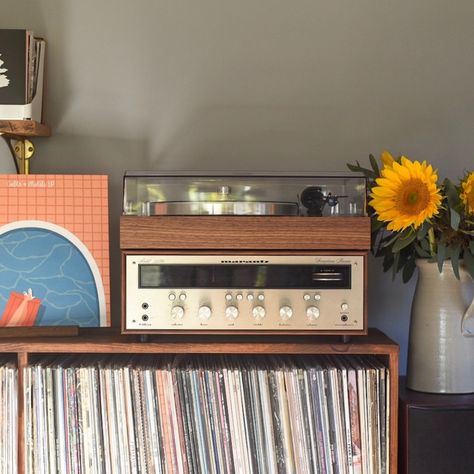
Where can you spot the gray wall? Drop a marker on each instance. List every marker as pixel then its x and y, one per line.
pixel 255 84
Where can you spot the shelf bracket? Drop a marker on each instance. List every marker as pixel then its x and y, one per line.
pixel 22 151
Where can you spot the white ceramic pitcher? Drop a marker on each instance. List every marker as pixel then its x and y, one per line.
pixel 441 341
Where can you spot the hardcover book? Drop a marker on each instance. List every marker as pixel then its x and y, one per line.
pixel 14 46
pixel 54 250
pixel 22 61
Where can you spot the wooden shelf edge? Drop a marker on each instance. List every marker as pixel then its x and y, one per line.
pixel 24 128
pixel 107 340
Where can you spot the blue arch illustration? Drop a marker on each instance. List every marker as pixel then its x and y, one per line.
pixel 59 269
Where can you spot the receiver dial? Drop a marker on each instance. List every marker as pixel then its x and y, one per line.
pixel 231 313
pixel 204 313
pixel 286 313
pixel 177 312
pixel 312 312
pixel 258 313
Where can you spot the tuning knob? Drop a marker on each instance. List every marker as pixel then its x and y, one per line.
pixel 312 313
pixel 286 313
pixel 177 312
pixel 258 313
pixel 204 313
pixel 231 312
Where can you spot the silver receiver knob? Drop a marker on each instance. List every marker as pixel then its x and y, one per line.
pixel 286 313
pixel 312 313
pixel 177 312
pixel 344 306
pixel 204 313
pixel 231 312
pixel 258 313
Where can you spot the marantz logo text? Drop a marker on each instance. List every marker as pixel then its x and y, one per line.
pixel 245 261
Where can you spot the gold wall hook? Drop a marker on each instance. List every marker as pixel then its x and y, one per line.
pixel 24 151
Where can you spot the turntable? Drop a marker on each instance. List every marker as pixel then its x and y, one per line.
pixel 244 253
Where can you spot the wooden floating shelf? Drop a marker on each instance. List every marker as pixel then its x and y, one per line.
pixel 24 128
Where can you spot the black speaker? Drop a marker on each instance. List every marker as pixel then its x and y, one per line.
pixel 436 433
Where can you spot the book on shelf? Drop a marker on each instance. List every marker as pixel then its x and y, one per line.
pixel 22 61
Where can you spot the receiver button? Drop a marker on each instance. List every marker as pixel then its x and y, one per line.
pixel 231 312
pixel 312 313
pixel 204 313
pixel 344 306
pixel 177 312
pixel 258 313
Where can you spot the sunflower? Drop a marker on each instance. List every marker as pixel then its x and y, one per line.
pixel 406 194
pixel 467 193
pixel 387 159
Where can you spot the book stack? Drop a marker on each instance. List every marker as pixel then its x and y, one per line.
pixel 8 415
pixel 22 58
pixel 208 414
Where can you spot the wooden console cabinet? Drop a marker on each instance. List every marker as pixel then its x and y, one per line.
pixel 108 341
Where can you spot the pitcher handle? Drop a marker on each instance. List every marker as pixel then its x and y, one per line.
pixel 467 323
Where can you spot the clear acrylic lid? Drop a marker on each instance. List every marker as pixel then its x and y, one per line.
pixel 223 193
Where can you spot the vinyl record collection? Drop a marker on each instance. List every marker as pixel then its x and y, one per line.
pixel 207 414
pixel 8 415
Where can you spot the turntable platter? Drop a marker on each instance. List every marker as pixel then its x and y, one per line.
pixel 220 208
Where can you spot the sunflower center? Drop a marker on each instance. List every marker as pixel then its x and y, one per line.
pixel 414 197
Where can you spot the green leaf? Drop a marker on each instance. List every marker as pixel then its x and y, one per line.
pixel 441 256
pixel 451 193
pixel 376 225
pixel 455 219
pixel 408 270
pixel 359 169
pixel 387 262
pixel 469 262
pixel 403 242
pixel 374 164
pixel 421 252
pixel 389 240
pixel 471 246
pixel 425 245
pixel 423 230
pixel 396 260
pixel 355 168
pixel 454 253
